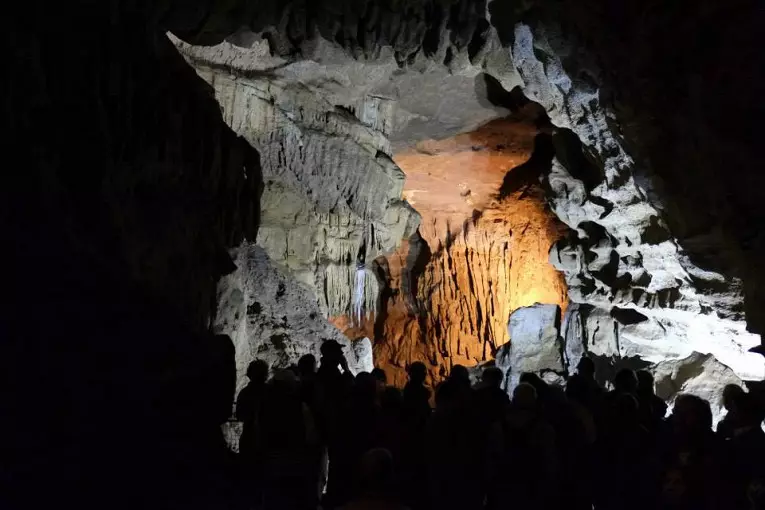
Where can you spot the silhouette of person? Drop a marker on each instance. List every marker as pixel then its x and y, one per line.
pixel 334 375
pixel 530 462
pixel 362 419
pixel 377 479
pixel 379 374
pixel 731 397
pixel 491 401
pixel 692 468
pixel 307 366
pixel 392 429
pixel 588 389
pixel 458 451
pixel 382 380
pixel 626 449
pixel 307 373
pixel 460 374
pixel 625 381
pixel 286 446
pixel 745 449
pixel 652 408
pixel 248 404
pixel 580 397
pixel 416 394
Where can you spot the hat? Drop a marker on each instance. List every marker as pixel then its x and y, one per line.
pixel 331 347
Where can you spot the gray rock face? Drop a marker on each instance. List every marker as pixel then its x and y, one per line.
pixel 362 350
pixel 623 254
pixel 433 96
pixel 270 316
pixel 618 333
pixel 332 194
pixel 698 374
pixel 639 243
pixel 534 343
pixel 622 338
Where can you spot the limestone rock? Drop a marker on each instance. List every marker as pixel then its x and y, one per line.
pixel 655 337
pixel 270 316
pixel 647 237
pixel 433 96
pixel 362 350
pixel 698 374
pixel 332 194
pixel 615 342
pixel 534 344
pixel 449 290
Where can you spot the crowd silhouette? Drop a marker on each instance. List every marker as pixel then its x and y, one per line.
pixel 328 439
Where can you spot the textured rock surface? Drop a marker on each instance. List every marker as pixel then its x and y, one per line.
pixel 436 91
pixel 481 252
pixel 633 125
pixel 332 194
pixel 535 345
pixel 698 374
pixel 624 338
pixel 627 334
pixel 272 317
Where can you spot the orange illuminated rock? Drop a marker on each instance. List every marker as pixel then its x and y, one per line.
pixel 481 255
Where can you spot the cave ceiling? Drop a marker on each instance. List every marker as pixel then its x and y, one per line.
pixel 644 147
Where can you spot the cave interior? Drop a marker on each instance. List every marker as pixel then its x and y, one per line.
pixel 402 177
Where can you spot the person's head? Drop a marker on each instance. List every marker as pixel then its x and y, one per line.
pixel 460 374
pixel 492 377
pixel 365 387
pixel 534 380
pixel 731 395
pixel 525 396
pixel 307 365
pixel 331 352
pixel 377 471
pixel 626 408
pixel 284 380
pixel 749 412
pixel 257 371
pixel 626 381
pixel 644 382
pixel 586 367
pixel 691 415
pixel 391 399
pixel 380 376
pixel 448 395
pixel 417 372
pixel 578 389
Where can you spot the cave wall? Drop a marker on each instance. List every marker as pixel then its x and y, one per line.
pixel 123 192
pixel 481 251
pixel 635 243
pixel 105 127
pixel 332 194
pixel 272 317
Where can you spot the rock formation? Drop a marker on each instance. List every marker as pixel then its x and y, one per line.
pixel 270 316
pixel 636 243
pixel 332 194
pixel 535 347
pixel 126 190
pixel 698 374
pixel 481 252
